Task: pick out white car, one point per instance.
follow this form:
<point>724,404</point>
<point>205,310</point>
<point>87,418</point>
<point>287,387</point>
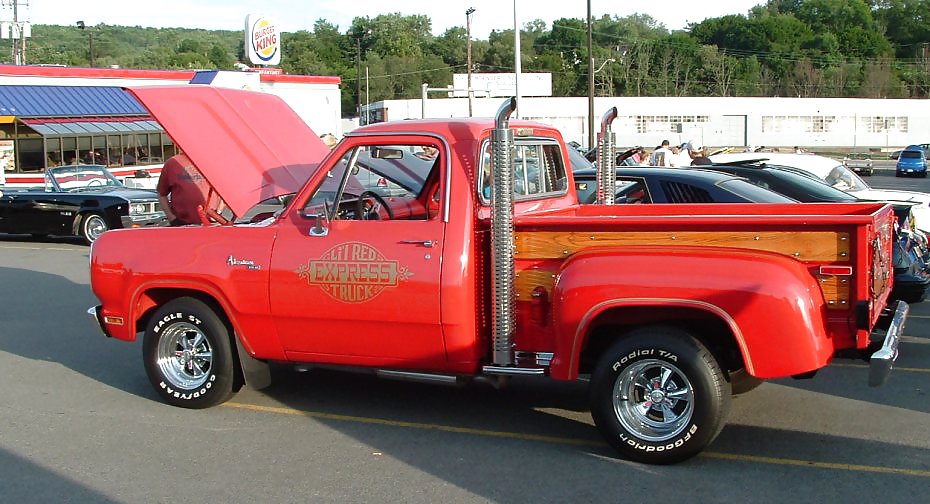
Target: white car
<point>835,173</point>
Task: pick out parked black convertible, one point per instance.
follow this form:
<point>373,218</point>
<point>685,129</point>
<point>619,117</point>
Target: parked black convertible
<point>80,200</point>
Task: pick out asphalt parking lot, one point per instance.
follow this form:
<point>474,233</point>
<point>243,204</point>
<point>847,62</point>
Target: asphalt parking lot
<point>80,423</point>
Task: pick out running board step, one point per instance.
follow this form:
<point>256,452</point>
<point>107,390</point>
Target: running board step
<point>512,371</point>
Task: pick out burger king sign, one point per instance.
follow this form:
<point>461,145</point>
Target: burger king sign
<point>262,40</point>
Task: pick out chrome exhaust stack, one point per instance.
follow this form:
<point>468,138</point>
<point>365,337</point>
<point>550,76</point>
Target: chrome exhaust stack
<point>606,170</point>
<point>502,249</point>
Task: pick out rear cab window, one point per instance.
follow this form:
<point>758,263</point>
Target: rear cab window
<point>539,170</point>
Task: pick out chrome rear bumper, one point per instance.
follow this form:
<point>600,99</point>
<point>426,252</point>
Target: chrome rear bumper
<point>882,361</point>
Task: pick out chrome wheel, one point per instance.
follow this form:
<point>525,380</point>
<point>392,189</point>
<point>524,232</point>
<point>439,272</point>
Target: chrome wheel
<point>654,400</point>
<point>93,227</point>
<point>184,356</point>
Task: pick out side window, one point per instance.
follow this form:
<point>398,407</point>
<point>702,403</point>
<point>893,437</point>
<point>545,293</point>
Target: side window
<point>676,192</point>
<point>539,170</point>
<point>631,192</point>
<point>379,182</point>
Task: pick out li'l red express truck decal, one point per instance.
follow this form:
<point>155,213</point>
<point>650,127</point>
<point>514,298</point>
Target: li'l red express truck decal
<point>353,272</point>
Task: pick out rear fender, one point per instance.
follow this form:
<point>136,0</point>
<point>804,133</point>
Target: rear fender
<point>771,304</point>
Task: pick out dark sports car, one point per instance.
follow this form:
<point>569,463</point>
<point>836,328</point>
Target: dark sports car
<point>674,185</point>
<point>910,256</point>
<point>80,200</point>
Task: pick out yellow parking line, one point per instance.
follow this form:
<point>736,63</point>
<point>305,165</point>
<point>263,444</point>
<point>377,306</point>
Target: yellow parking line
<point>416,425</point>
<point>574,442</point>
<point>896,368</point>
<point>819,465</point>
<point>12,247</point>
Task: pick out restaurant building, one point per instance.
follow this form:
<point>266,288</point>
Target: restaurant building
<point>51,116</point>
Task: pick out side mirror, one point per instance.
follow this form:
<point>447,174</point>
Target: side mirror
<point>319,228</point>
<point>320,220</point>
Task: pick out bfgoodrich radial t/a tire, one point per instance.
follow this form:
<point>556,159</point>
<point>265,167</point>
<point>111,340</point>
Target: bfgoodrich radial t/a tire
<point>658,395</point>
<point>188,355</point>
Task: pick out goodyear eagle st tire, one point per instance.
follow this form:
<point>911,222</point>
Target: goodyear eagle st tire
<point>658,395</point>
<point>187,353</point>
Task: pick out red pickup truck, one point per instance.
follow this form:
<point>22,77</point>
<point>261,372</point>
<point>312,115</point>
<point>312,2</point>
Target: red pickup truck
<point>478,264</point>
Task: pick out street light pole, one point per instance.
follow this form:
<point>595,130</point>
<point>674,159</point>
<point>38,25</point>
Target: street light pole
<point>590,82</point>
<point>358,75</point>
<point>468,14</point>
<point>90,37</point>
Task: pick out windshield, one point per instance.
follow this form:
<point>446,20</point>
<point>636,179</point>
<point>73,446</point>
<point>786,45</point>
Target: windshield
<point>807,188</point>
<point>79,178</point>
<point>845,179</point>
<point>578,161</point>
<point>911,155</point>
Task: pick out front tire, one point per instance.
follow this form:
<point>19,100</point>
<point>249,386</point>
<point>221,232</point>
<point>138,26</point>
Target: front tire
<point>188,355</point>
<point>658,395</point>
<point>92,226</point>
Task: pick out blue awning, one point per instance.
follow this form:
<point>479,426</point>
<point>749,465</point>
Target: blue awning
<point>96,127</point>
<point>67,101</point>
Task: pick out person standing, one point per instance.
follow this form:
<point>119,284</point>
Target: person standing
<point>661,156</point>
<point>182,191</point>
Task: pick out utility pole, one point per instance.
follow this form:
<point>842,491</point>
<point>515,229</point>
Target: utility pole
<point>16,29</point>
<point>517,65</point>
<point>468,14</point>
<point>590,82</point>
<point>358,71</point>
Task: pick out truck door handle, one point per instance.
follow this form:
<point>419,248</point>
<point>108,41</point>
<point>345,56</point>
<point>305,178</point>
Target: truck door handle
<point>425,243</point>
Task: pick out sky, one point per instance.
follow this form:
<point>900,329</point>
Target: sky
<point>294,15</point>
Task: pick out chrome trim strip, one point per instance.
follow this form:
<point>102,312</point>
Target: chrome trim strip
<point>617,302</point>
<point>542,359</point>
<point>418,377</point>
<point>882,361</point>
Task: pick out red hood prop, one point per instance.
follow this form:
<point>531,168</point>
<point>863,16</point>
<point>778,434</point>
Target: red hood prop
<point>250,146</point>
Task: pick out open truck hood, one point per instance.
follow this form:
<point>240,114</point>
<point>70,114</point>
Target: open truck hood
<point>250,146</point>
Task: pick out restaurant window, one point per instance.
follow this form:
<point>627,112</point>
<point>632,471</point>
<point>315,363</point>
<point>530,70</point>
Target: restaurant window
<point>114,151</point>
<point>53,152</point>
<point>157,152</point>
<point>69,150</point>
<point>31,153</point>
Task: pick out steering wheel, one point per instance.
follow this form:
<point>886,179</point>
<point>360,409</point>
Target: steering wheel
<point>95,182</point>
<point>365,212</point>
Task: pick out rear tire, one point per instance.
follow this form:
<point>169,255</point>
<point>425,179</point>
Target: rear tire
<point>658,395</point>
<point>188,355</point>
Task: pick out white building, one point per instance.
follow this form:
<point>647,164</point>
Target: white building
<point>817,123</point>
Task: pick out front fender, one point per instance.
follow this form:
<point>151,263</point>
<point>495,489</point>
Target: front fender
<point>771,303</point>
<point>134,270</point>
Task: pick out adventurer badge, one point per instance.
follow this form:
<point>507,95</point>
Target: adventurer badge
<point>352,272</point>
